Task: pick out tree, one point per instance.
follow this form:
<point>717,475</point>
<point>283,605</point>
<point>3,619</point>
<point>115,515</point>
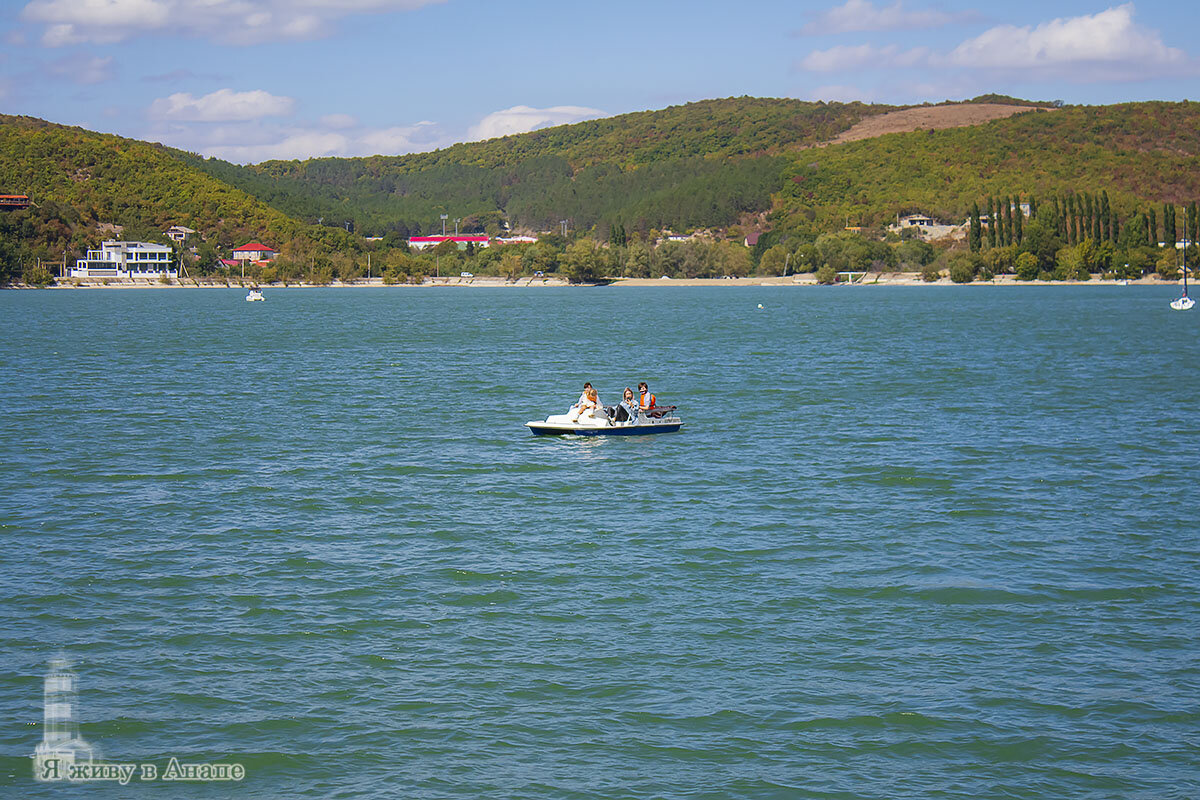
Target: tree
<point>963,267</point>
<point>991,203</point>
<point>976,235</point>
<point>1152,229</point>
<point>773,261</point>
<point>1018,220</point>
<point>1027,267</point>
<point>580,261</point>
<point>1169,233</point>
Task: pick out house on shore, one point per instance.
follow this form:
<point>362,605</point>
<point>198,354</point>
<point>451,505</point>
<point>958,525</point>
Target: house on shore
<point>253,252</point>
<point>926,227</point>
<point>120,259</point>
<point>178,233</point>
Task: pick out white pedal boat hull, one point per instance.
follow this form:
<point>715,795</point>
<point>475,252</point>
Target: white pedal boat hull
<point>588,425</point>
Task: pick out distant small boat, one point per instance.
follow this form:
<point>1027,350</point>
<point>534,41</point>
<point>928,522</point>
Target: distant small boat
<point>254,295</point>
<point>1184,303</point>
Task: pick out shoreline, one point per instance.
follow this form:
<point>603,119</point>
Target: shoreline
<point>803,279</point>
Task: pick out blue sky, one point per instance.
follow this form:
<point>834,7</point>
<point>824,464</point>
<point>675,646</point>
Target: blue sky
<point>249,80</point>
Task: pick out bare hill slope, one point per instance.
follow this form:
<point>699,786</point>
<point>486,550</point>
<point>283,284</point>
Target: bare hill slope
<point>929,118</point>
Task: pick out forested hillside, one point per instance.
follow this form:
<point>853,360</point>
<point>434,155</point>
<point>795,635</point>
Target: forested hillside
<point>701,164</point>
<point>1140,153</point>
<point>82,180</point>
<point>737,166</point>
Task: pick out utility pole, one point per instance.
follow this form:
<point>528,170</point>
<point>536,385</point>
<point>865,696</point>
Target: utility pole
<point>444,218</point>
<point>456,221</point>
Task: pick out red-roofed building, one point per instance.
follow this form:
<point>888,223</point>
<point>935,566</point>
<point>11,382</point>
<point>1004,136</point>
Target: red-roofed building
<point>421,242</point>
<point>14,201</point>
<point>254,252</point>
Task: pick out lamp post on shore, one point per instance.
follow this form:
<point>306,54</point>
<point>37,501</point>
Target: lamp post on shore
<point>444,218</point>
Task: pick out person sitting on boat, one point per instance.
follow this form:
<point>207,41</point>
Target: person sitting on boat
<point>627,411</point>
<point>588,405</point>
<point>583,396</point>
<point>648,400</point>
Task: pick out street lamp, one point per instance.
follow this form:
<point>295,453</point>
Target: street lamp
<point>456,221</point>
<point>563,222</point>
<point>444,218</point>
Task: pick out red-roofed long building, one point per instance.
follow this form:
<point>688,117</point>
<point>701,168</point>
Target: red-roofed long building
<point>421,242</point>
<point>254,252</point>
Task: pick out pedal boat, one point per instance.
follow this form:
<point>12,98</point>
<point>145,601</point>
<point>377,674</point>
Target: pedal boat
<point>255,295</point>
<point>654,420</point>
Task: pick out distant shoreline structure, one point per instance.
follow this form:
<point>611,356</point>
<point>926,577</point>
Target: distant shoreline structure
<point>488,282</point>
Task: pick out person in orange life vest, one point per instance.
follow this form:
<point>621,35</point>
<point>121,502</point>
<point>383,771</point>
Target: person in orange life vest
<point>648,401</point>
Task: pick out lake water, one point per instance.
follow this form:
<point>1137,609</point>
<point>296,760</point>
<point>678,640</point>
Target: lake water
<point>911,543</point>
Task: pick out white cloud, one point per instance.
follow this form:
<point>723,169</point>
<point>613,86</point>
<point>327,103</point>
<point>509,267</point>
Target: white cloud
<point>243,22</point>
<point>299,144</point>
<point>396,140</point>
<point>849,57</point>
<point>522,119</point>
<point>1105,46</point>
<point>255,140</point>
<point>223,105</point>
<point>863,15</point>
<point>338,121</point>
<point>88,70</point>
<point>1090,46</point>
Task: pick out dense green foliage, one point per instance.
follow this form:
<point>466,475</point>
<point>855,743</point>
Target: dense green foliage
<point>700,164</point>
<point>1137,152</point>
<point>81,180</point>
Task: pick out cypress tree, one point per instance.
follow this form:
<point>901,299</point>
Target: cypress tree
<point>991,204</point>
<point>1018,220</point>
<point>1193,219</point>
<point>1152,228</point>
<point>1032,208</point>
<point>1169,224</point>
<point>1105,218</point>
<point>1069,219</point>
<point>1059,217</point>
<point>976,240</point>
<point>1085,229</point>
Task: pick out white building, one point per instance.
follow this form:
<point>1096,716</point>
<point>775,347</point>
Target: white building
<point>178,233</point>
<point>119,259</point>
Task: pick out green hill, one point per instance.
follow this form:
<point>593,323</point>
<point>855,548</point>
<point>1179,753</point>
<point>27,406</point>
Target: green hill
<point>1140,153</point>
<point>81,180</point>
<point>701,164</point>
<point>759,162</point>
